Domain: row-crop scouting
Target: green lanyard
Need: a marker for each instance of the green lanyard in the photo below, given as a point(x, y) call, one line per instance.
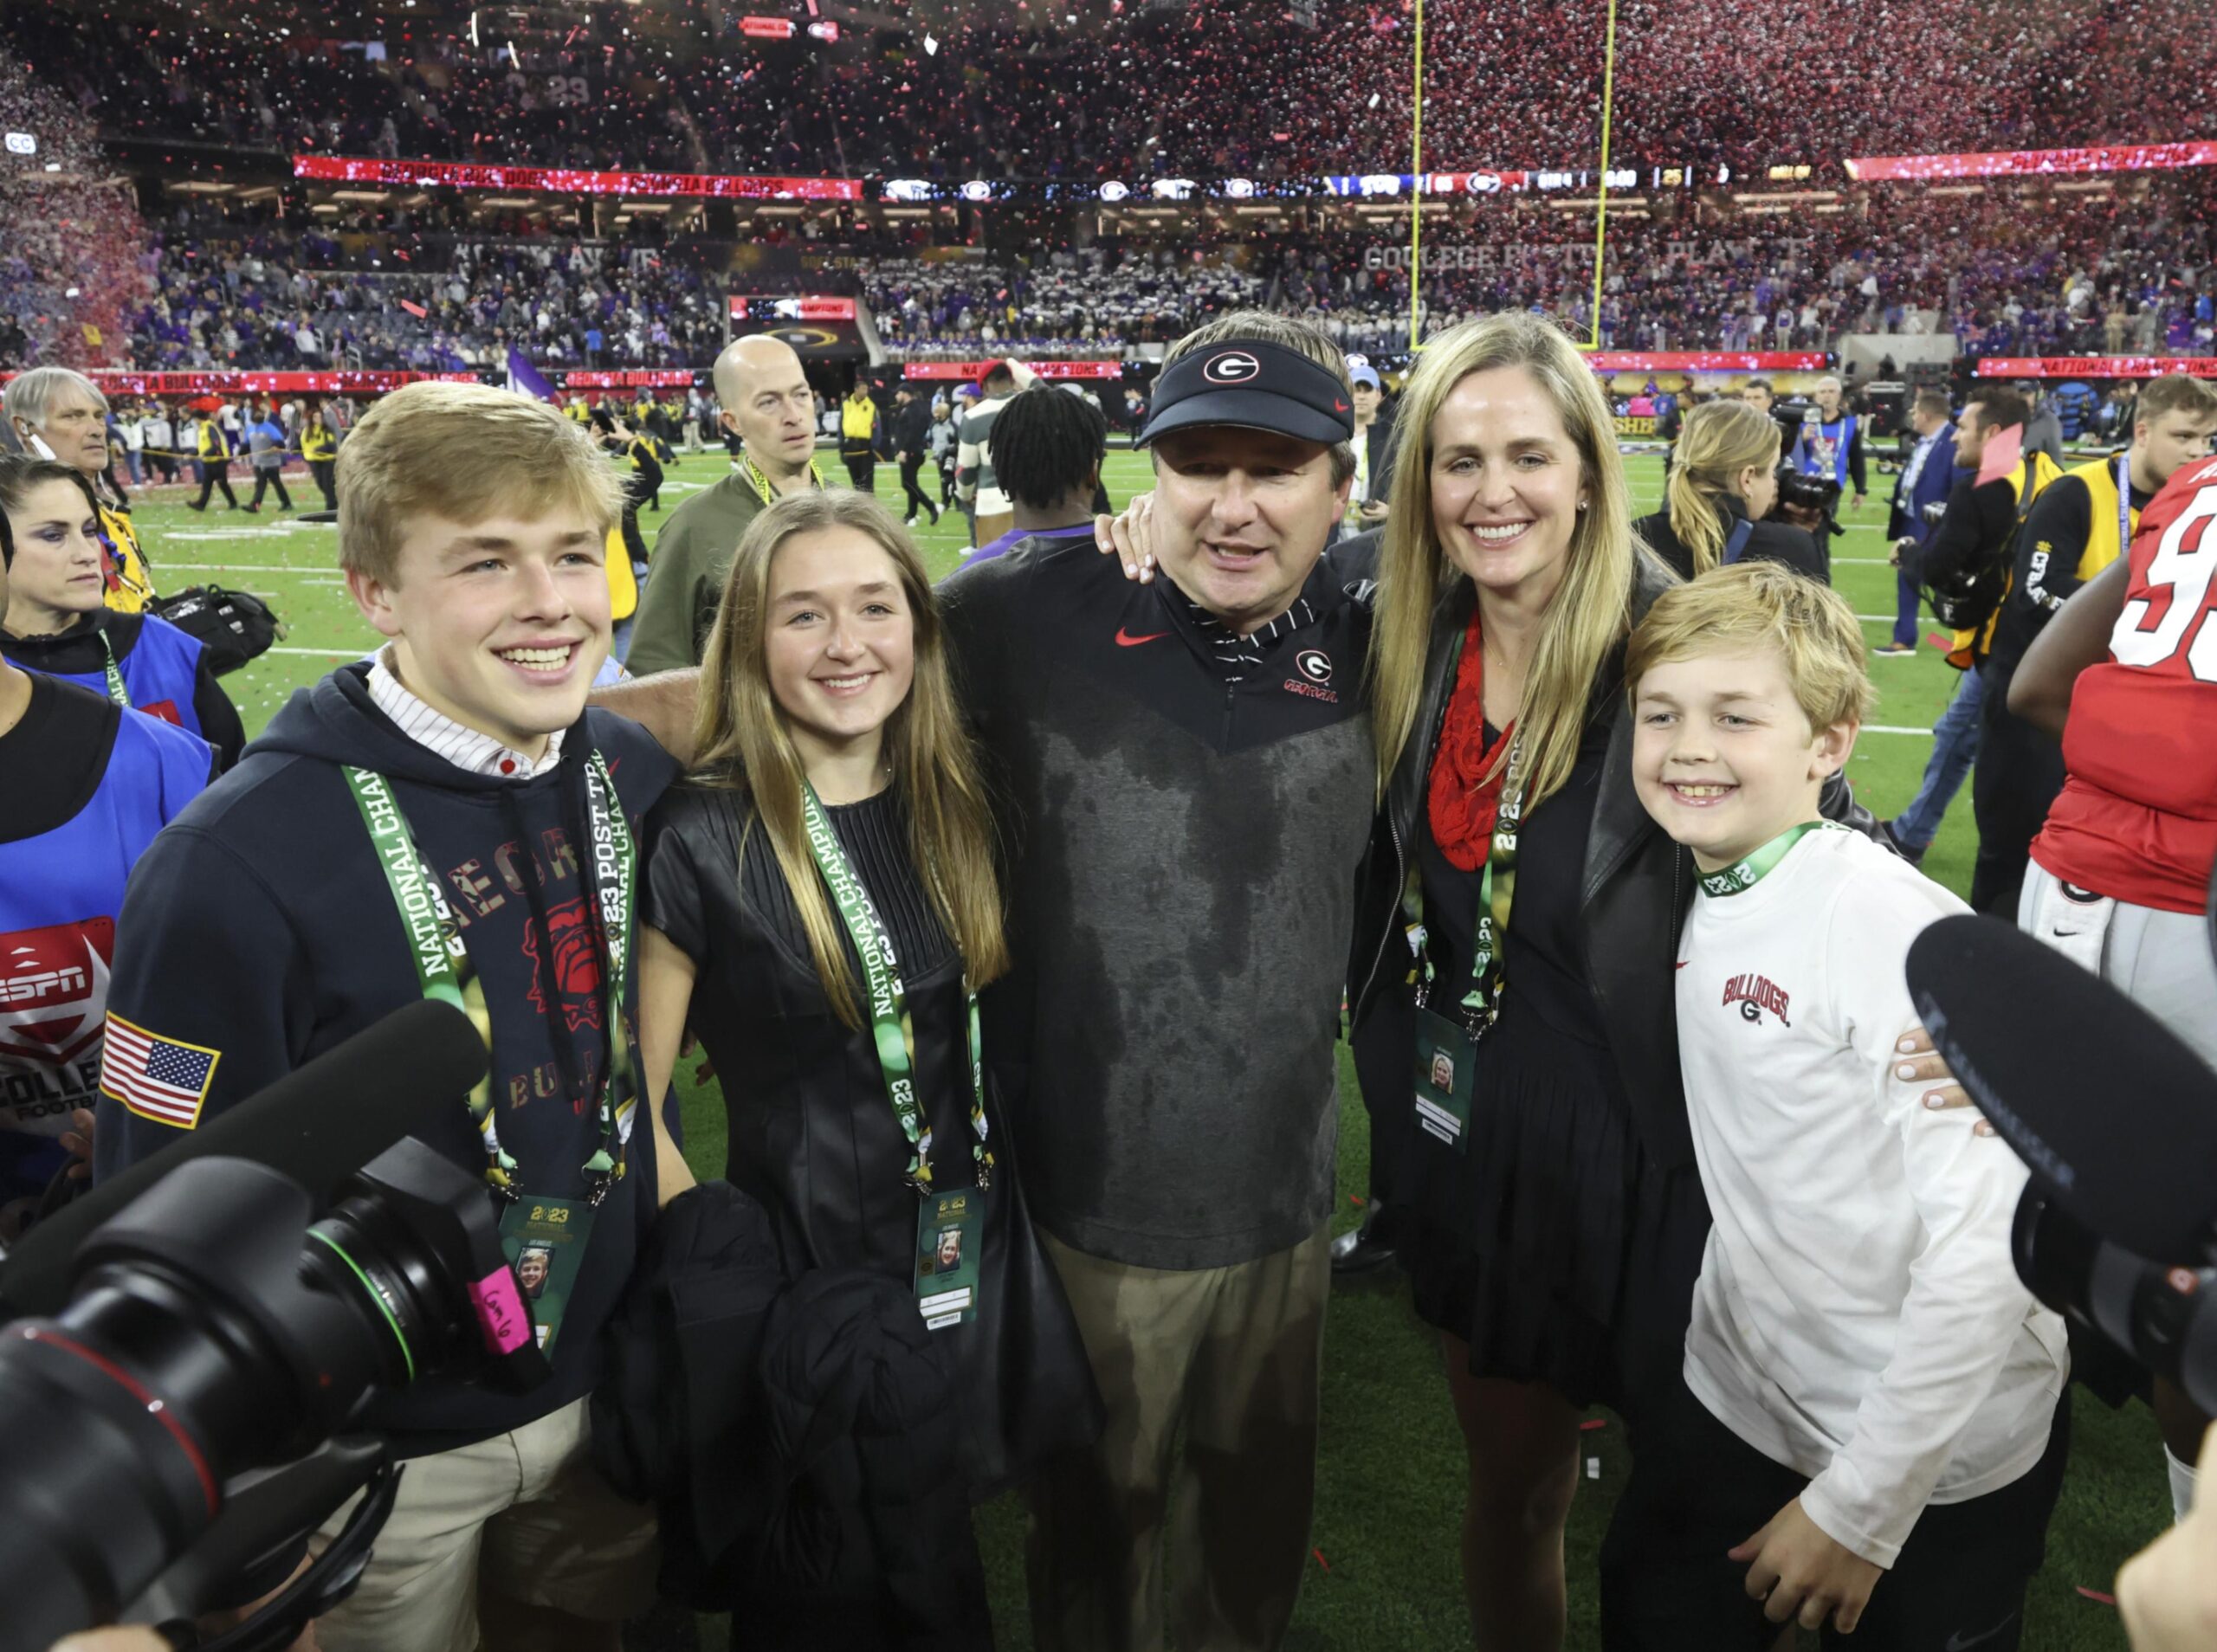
point(760, 483)
point(443, 970)
point(116, 691)
point(1496, 895)
point(891, 1027)
point(1743, 876)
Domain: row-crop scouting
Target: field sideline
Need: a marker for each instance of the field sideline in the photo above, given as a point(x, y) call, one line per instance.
point(1390, 1482)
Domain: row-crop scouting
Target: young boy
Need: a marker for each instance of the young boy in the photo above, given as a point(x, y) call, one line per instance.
point(284, 912)
point(87, 787)
point(1872, 1390)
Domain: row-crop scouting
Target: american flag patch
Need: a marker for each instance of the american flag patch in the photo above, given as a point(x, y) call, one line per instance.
point(156, 1078)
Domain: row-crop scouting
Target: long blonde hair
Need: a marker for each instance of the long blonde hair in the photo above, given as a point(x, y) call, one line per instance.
point(742, 734)
point(1718, 441)
point(1591, 609)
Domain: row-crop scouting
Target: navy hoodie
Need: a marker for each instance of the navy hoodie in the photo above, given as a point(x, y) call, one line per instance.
point(260, 926)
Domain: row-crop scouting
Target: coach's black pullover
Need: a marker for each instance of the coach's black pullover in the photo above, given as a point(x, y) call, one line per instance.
point(260, 926)
point(1181, 879)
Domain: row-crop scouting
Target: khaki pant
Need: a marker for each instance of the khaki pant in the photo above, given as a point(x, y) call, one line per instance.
point(1230, 1357)
point(989, 528)
point(524, 1513)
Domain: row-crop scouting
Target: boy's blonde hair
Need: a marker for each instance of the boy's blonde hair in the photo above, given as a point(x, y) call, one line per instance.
point(464, 452)
point(1750, 606)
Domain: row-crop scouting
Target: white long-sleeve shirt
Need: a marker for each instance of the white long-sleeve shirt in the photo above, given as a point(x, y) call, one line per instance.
point(1858, 1317)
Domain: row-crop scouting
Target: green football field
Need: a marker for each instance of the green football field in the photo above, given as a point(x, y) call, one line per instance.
point(1390, 1474)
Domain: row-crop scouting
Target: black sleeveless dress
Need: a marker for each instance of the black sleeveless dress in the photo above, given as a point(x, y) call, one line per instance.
point(1554, 1246)
point(812, 1136)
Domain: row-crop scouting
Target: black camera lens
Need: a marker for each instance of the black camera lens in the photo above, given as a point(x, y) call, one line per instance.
point(214, 1330)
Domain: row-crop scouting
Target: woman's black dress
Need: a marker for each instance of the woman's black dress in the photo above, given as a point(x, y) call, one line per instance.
point(1553, 1246)
point(812, 1136)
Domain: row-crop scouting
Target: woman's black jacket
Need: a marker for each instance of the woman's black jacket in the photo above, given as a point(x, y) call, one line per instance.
point(1770, 542)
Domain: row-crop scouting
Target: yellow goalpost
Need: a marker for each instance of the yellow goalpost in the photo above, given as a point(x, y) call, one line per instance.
point(1417, 175)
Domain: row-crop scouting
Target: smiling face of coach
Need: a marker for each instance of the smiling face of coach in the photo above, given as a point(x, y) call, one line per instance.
point(1251, 434)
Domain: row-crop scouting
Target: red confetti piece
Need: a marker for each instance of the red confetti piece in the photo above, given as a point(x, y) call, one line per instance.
point(1591, 1424)
point(2096, 1594)
point(1355, 1198)
point(1326, 1564)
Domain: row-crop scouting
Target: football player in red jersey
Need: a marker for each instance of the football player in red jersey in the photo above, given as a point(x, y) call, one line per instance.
point(2121, 871)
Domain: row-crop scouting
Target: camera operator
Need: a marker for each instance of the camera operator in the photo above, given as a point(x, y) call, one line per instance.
point(1971, 547)
point(1723, 482)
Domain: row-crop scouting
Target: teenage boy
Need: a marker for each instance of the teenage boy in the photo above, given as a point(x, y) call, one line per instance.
point(284, 913)
point(1872, 1392)
point(87, 787)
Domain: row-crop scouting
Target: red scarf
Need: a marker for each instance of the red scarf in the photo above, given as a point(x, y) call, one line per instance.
point(1463, 799)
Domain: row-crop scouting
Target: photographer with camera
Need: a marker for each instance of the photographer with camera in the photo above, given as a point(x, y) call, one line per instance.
point(447, 822)
point(1723, 483)
point(1966, 566)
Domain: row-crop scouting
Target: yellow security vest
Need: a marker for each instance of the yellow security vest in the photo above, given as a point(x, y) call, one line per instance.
point(2102, 546)
point(2027, 482)
point(857, 419)
point(622, 584)
point(213, 448)
point(318, 442)
point(134, 586)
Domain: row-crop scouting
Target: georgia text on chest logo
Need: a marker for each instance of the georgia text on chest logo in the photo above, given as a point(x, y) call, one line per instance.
point(1754, 994)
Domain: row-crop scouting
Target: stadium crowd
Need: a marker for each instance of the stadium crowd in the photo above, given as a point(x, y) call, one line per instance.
point(2006, 273)
point(1907, 78)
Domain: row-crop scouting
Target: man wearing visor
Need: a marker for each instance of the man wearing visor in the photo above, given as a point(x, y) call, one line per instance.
point(1191, 766)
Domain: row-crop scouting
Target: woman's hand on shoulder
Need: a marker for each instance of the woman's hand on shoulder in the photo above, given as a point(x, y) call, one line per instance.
point(1129, 536)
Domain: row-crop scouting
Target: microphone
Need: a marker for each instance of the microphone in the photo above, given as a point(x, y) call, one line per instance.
point(2116, 1118)
point(317, 1124)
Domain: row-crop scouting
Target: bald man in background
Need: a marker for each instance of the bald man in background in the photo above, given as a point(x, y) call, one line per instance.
point(766, 402)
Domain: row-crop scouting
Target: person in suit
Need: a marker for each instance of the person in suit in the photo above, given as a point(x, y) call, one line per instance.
point(1920, 497)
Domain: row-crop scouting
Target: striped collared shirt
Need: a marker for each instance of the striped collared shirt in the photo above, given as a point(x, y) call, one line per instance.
point(439, 734)
point(1237, 654)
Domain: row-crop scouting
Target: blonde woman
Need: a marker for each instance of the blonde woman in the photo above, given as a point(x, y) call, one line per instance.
point(1552, 1221)
point(820, 907)
point(1723, 484)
